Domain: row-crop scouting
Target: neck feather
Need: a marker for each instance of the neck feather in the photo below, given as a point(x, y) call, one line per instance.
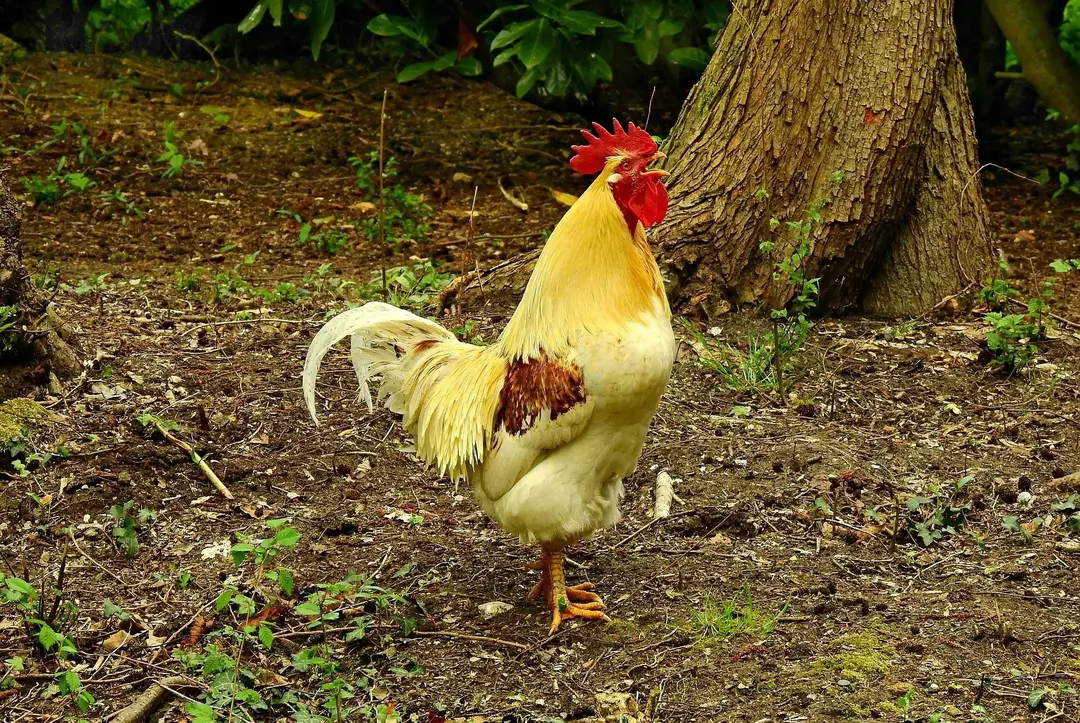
point(594, 274)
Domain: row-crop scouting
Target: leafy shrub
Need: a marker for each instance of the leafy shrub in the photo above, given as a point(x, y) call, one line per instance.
point(1011, 338)
point(552, 43)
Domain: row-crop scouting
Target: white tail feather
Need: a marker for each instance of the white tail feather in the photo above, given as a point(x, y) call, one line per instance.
point(374, 328)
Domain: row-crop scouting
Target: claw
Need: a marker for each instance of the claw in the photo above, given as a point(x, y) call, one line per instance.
point(565, 601)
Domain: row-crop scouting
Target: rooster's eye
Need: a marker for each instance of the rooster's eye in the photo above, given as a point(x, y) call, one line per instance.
point(625, 166)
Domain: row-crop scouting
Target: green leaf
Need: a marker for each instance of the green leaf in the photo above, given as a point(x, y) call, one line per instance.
point(266, 636)
point(321, 19)
point(446, 60)
point(239, 553)
point(200, 713)
point(308, 609)
point(287, 537)
point(584, 22)
point(536, 44)
point(47, 636)
point(689, 57)
point(253, 18)
point(1035, 698)
point(670, 26)
point(69, 682)
point(275, 11)
point(285, 580)
point(1061, 266)
point(498, 13)
point(223, 599)
point(388, 25)
point(526, 82)
point(600, 67)
point(647, 44)
point(504, 57)
point(469, 66)
point(558, 79)
point(512, 32)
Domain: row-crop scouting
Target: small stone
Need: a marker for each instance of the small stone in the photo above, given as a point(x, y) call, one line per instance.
point(489, 610)
point(844, 683)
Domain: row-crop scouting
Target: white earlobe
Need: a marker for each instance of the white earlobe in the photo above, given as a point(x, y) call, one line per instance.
point(614, 178)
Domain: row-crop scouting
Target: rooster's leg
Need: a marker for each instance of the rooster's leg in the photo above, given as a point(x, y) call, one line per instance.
point(573, 601)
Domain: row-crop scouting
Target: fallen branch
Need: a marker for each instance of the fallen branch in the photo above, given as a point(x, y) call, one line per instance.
point(218, 484)
point(153, 698)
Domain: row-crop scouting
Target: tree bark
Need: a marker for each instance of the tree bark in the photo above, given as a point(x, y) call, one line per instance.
point(44, 337)
point(1046, 66)
point(860, 105)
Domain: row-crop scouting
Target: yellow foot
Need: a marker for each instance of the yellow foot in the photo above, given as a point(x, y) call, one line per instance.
point(585, 611)
point(564, 601)
point(574, 593)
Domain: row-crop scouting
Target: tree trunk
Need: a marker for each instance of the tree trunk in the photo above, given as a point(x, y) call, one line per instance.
point(860, 105)
point(41, 337)
point(1046, 66)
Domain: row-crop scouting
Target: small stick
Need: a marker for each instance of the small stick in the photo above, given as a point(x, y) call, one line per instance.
point(468, 244)
point(218, 484)
point(665, 490)
point(463, 636)
point(382, 200)
point(217, 65)
point(98, 565)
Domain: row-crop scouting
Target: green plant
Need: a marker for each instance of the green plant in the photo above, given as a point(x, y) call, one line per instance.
point(191, 282)
point(740, 370)
point(71, 685)
point(45, 190)
point(1012, 524)
point(319, 14)
point(265, 551)
point(58, 184)
point(1011, 338)
point(117, 196)
point(422, 29)
point(930, 519)
point(42, 622)
point(367, 172)
point(172, 157)
point(330, 241)
point(402, 216)
point(721, 619)
point(10, 338)
point(127, 524)
point(408, 286)
point(791, 325)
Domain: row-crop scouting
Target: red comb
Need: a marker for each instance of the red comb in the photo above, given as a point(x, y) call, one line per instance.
point(591, 158)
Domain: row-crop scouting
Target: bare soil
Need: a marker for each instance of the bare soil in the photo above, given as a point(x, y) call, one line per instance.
point(792, 504)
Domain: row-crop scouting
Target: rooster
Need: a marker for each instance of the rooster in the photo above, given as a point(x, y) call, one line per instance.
point(546, 422)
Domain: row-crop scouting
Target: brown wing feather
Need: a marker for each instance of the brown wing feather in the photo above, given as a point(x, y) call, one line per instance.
point(536, 385)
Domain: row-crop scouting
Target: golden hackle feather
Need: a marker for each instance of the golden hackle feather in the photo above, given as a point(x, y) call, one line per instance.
point(592, 275)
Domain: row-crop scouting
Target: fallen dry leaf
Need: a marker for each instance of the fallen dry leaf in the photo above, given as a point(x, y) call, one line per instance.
point(115, 641)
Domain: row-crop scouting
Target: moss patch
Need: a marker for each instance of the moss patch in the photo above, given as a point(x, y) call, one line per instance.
point(862, 656)
point(18, 415)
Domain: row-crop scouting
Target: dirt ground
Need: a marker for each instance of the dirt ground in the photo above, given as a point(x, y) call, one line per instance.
point(786, 510)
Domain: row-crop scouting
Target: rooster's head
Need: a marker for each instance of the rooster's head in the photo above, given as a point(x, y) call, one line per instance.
point(624, 156)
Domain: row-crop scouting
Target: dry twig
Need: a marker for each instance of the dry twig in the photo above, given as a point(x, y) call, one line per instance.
point(214, 480)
